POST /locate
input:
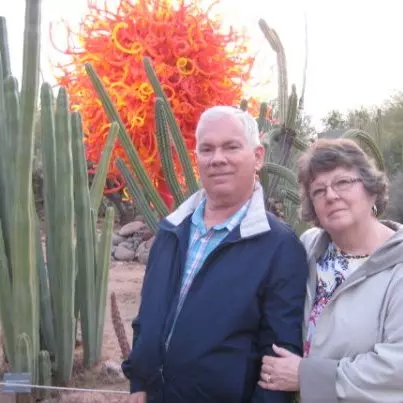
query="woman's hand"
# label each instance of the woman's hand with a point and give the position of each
(281, 372)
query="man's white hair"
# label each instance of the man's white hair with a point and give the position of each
(249, 124)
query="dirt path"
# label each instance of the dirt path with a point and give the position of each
(125, 279)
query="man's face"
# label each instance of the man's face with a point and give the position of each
(227, 163)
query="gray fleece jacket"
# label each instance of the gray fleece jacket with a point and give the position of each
(357, 350)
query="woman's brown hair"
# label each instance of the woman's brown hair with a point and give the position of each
(324, 155)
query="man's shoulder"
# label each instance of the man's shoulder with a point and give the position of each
(279, 226)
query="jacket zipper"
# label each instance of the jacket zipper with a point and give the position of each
(170, 335)
(206, 262)
(201, 270)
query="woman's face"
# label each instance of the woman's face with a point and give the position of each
(340, 199)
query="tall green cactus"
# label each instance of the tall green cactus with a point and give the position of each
(85, 244)
(19, 302)
(59, 216)
(174, 129)
(21, 232)
(77, 275)
(135, 160)
(137, 193)
(282, 142)
(165, 151)
(168, 133)
(368, 143)
(92, 266)
(45, 373)
(275, 42)
(37, 295)
(103, 256)
(6, 309)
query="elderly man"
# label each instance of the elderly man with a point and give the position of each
(225, 281)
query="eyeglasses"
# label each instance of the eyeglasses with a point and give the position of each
(338, 185)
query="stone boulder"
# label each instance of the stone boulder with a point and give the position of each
(132, 242)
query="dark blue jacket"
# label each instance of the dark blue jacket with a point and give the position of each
(248, 295)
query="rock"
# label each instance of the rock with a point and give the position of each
(139, 217)
(117, 239)
(124, 253)
(144, 250)
(112, 368)
(127, 244)
(135, 241)
(131, 228)
(146, 234)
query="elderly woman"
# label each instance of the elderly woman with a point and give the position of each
(353, 331)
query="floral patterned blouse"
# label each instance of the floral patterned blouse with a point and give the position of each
(333, 268)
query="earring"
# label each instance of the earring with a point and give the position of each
(375, 210)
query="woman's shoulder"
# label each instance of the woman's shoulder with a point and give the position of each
(311, 235)
(315, 240)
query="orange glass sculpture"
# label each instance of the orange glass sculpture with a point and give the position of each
(197, 64)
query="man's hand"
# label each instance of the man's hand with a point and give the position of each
(138, 397)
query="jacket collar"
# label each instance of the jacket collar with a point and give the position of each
(254, 223)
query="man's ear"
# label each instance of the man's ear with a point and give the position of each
(259, 156)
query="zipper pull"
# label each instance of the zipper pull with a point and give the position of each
(162, 374)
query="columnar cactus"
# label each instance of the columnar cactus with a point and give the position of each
(134, 157)
(92, 266)
(37, 294)
(78, 270)
(59, 216)
(19, 268)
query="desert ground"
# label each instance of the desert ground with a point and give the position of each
(125, 279)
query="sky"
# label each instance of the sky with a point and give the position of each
(354, 46)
